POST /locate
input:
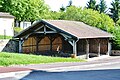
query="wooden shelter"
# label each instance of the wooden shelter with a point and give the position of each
(71, 37)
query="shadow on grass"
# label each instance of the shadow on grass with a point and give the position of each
(108, 74)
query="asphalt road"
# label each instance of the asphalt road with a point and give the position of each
(105, 72)
(113, 74)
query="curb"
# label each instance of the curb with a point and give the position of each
(21, 74)
(15, 74)
(75, 68)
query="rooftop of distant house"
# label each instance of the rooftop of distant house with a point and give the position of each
(6, 15)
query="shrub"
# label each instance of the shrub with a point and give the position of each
(5, 37)
(90, 17)
(17, 29)
(116, 39)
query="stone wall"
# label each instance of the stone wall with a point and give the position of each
(115, 52)
(8, 46)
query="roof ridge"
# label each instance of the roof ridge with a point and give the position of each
(73, 28)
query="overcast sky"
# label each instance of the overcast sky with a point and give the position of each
(56, 4)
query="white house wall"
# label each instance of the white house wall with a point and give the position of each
(25, 24)
(6, 26)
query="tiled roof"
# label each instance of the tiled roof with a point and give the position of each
(74, 28)
(6, 15)
(79, 29)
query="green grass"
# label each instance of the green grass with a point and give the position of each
(17, 29)
(5, 37)
(7, 59)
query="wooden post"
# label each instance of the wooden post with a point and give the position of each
(36, 44)
(44, 29)
(20, 46)
(99, 49)
(51, 43)
(74, 47)
(109, 48)
(87, 49)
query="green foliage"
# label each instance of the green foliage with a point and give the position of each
(25, 10)
(91, 4)
(116, 39)
(118, 23)
(54, 15)
(90, 17)
(5, 37)
(114, 11)
(7, 59)
(62, 8)
(17, 29)
(70, 3)
(102, 6)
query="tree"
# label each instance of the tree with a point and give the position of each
(54, 15)
(70, 3)
(91, 4)
(102, 6)
(36, 9)
(114, 11)
(25, 10)
(62, 8)
(90, 17)
(116, 39)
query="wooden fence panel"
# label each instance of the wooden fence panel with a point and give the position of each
(29, 46)
(57, 43)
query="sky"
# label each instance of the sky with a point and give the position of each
(56, 4)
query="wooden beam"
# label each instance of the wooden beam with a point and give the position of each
(109, 48)
(44, 29)
(87, 49)
(63, 44)
(50, 28)
(38, 39)
(71, 43)
(37, 46)
(51, 43)
(20, 45)
(39, 28)
(99, 49)
(26, 37)
(75, 47)
(67, 38)
(46, 32)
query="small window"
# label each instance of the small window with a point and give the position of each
(26, 24)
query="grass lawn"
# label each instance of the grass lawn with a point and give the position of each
(5, 37)
(7, 59)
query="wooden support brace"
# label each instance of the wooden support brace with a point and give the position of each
(74, 48)
(87, 49)
(37, 42)
(44, 29)
(109, 48)
(20, 45)
(99, 49)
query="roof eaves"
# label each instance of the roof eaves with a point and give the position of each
(59, 30)
(96, 37)
(26, 29)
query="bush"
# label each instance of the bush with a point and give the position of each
(5, 37)
(118, 23)
(90, 17)
(116, 39)
(17, 29)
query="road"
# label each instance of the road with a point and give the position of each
(104, 72)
